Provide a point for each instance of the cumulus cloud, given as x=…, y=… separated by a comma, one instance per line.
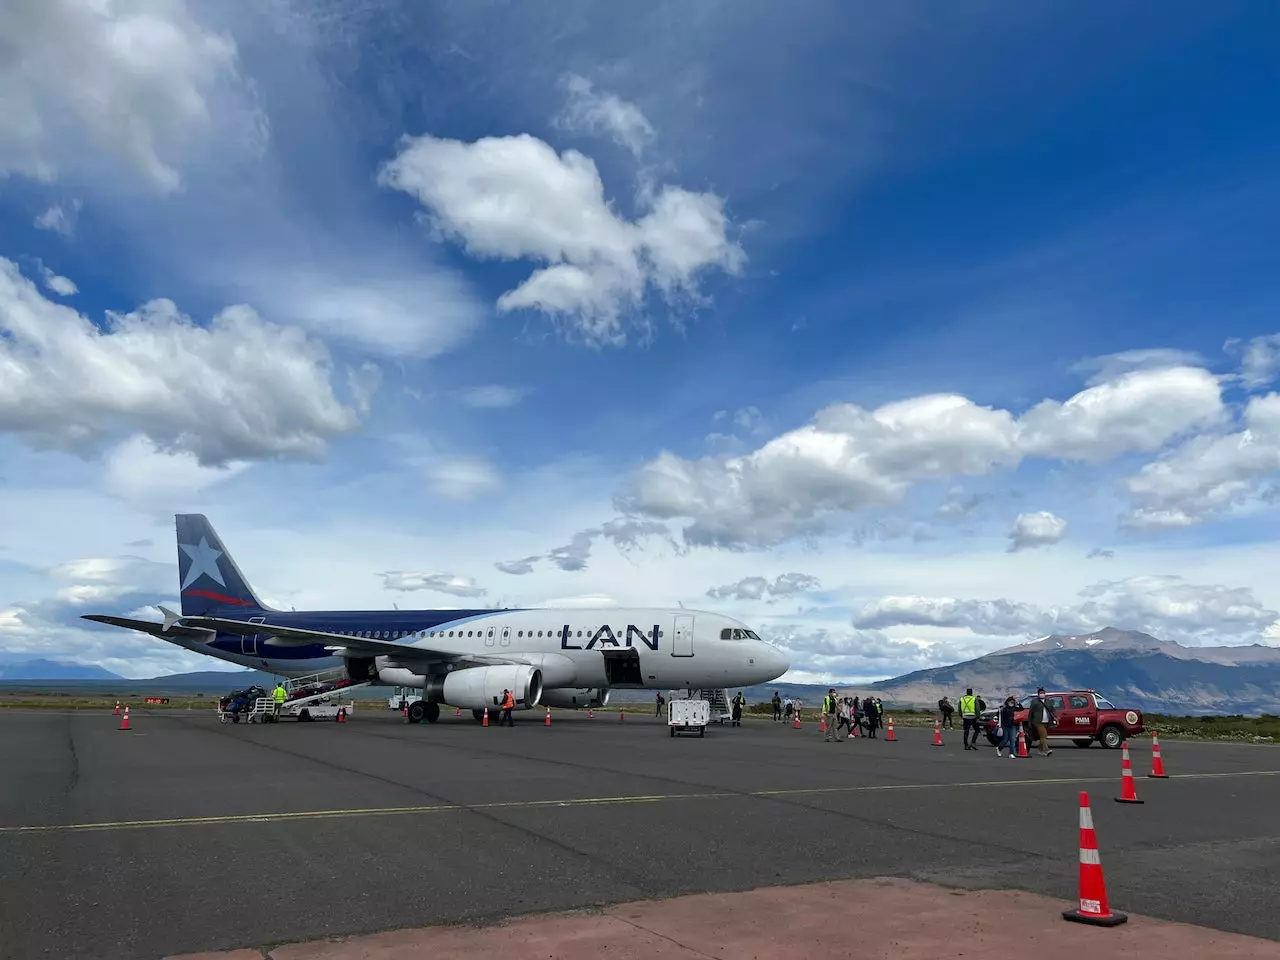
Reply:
x=138, y=81
x=850, y=459
x=626, y=533
x=239, y=389
x=59, y=218
x=519, y=567
x=1210, y=475
x=515, y=198
x=462, y=477
x=1164, y=606
x=492, y=396
x=587, y=111
x=760, y=588
x=832, y=656
x=1259, y=359
x=451, y=583
x=1038, y=529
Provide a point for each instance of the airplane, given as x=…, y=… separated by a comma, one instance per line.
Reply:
x=554, y=657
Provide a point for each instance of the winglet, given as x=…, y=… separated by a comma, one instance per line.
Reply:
x=170, y=618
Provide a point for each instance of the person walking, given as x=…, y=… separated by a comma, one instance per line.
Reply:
x=1042, y=718
x=777, y=707
x=508, y=704
x=969, y=718
x=658, y=701
x=1008, y=730
x=739, y=702
x=278, y=697
x=829, y=716
x=947, y=709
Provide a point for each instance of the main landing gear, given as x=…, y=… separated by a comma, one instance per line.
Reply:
x=419, y=711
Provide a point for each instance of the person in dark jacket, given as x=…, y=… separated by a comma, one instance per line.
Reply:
x=1008, y=728
x=1041, y=718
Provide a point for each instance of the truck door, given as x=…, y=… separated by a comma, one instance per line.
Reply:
x=1079, y=718
x=682, y=636
x=1062, y=723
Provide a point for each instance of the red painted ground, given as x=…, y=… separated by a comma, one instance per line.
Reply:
x=890, y=919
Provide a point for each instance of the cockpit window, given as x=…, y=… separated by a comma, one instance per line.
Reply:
x=753, y=635
x=726, y=634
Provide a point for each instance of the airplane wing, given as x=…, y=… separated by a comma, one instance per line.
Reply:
x=199, y=634
x=296, y=636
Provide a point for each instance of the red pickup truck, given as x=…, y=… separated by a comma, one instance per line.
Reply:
x=1081, y=716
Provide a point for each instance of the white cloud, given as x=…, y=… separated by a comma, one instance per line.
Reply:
x=462, y=477
x=851, y=459
x=139, y=471
x=451, y=583
x=760, y=588
x=1038, y=529
x=1210, y=476
x=518, y=568
x=589, y=112
x=515, y=198
x=240, y=388
x=62, y=286
x=1167, y=607
x=492, y=396
x=138, y=81
x=1113, y=365
x=60, y=218
x=1259, y=359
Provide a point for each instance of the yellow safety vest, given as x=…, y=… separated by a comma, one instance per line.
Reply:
x=279, y=695
x=968, y=706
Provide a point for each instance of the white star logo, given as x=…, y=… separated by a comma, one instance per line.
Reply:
x=204, y=560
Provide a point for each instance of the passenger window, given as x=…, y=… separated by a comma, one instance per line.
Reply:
x=1079, y=703
x=1055, y=703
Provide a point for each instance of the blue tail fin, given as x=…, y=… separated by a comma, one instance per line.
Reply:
x=210, y=582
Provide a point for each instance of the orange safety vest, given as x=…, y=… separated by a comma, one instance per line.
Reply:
x=508, y=702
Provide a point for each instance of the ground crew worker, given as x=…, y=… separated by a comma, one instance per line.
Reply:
x=739, y=702
x=829, y=713
x=508, y=704
x=279, y=696
x=969, y=716
x=658, y=701
x=777, y=707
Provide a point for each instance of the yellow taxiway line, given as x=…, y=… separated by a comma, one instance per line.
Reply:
x=284, y=817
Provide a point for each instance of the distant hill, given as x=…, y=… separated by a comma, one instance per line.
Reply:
x=1130, y=668
x=53, y=670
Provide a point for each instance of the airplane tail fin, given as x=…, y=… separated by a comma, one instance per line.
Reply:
x=210, y=582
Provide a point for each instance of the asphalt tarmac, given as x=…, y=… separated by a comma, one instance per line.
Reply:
x=185, y=834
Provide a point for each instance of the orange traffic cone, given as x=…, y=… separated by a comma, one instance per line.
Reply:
x=622, y=716
x=485, y=721
x=457, y=711
x=591, y=714
x=797, y=716
x=937, y=732
x=124, y=720
x=889, y=733
x=342, y=714
x=116, y=711
x=1022, y=745
x=1157, y=763
x=1128, y=792
x=1093, y=907
x=404, y=708
x=547, y=722
x=822, y=724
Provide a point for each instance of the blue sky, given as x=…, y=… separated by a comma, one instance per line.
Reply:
x=931, y=309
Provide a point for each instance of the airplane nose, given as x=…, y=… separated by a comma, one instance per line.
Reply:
x=776, y=662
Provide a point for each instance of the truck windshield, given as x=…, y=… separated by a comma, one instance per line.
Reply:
x=1103, y=703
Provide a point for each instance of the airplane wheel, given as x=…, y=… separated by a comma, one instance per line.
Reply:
x=418, y=711
x=432, y=712
x=478, y=714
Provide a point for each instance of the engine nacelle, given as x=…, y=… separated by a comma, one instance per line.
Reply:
x=478, y=687
x=569, y=698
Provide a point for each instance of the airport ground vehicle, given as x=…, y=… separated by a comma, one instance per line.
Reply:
x=401, y=697
x=1081, y=716
x=686, y=716
x=313, y=697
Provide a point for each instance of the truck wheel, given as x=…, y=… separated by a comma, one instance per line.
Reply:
x=993, y=739
x=304, y=715
x=1083, y=744
x=702, y=732
x=418, y=710
x=673, y=730
x=1111, y=737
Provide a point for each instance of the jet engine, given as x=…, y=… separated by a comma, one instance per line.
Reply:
x=478, y=687
x=586, y=697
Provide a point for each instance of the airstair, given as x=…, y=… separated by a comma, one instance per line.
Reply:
x=719, y=700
